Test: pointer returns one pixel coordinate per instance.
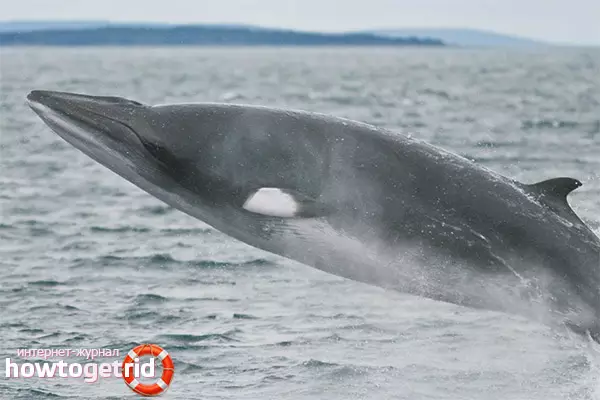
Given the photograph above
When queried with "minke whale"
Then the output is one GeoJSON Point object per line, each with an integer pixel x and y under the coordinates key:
{"type": "Point", "coordinates": [352, 200]}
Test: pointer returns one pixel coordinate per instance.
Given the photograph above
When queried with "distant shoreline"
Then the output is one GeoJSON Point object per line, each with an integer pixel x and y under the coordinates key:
{"type": "Point", "coordinates": [199, 35]}
{"type": "Point", "coordinates": [225, 46]}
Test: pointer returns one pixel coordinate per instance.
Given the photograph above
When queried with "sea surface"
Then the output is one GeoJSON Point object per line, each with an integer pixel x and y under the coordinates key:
{"type": "Point", "coordinates": [89, 261]}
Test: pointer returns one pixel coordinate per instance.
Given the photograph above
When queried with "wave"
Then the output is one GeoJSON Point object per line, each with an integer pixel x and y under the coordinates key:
{"type": "Point", "coordinates": [591, 127]}
{"type": "Point", "coordinates": [243, 316]}
{"type": "Point", "coordinates": [137, 314]}
{"type": "Point", "coordinates": [32, 331]}
{"type": "Point", "coordinates": [45, 283]}
{"type": "Point", "coordinates": [210, 264]}
{"type": "Point", "coordinates": [161, 260]}
{"type": "Point", "coordinates": [438, 93]}
{"type": "Point", "coordinates": [312, 363]}
{"type": "Point", "coordinates": [188, 367]}
{"type": "Point", "coordinates": [54, 306]}
{"type": "Point", "coordinates": [114, 260]}
{"type": "Point", "coordinates": [120, 229]}
{"type": "Point", "coordinates": [157, 209]}
{"type": "Point", "coordinates": [39, 394]}
{"type": "Point", "coordinates": [186, 231]}
{"type": "Point", "coordinates": [149, 298]}
{"type": "Point", "coordinates": [189, 338]}
{"type": "Point", "coordinates": [548, 123]}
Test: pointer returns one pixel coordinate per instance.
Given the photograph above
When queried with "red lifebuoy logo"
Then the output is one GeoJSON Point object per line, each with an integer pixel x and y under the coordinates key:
{"type": "Point", "coordinates": [130, 370]}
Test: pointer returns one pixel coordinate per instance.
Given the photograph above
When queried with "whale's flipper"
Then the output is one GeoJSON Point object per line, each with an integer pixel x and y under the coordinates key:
{"type": "Point", "coordinates": [283, 203]}
{"type": "Point", "coordinates": [553, 193]}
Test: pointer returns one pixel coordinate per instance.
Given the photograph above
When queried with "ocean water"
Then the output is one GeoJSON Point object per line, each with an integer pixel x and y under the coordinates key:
{"type": "Point", "coordinates": [90, 261]}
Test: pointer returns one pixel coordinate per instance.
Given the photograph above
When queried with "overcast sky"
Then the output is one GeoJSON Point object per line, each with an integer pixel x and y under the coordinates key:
{"type": "Point", "coordinates": [563, 21]}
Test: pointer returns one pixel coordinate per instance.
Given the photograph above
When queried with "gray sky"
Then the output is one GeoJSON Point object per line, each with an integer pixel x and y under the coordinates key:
{"type": "Point", "coordinates": [563, 21]}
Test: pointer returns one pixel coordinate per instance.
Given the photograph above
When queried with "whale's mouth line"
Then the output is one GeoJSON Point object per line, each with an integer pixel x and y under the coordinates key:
{"type": "Point", "coordinates": [85, 119]}
{"type": "Point", "coordinates": [89, 129]}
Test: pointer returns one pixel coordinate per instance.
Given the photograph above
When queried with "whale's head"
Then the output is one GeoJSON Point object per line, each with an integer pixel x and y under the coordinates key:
{"type": "Point", "coordinates": [108, 129]}
{"type": "Point", "coordinates": [214, 161]}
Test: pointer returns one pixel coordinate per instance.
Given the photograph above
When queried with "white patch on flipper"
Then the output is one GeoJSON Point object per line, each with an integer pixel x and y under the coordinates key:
{"type": "Point", "coordinates": [273, 202]}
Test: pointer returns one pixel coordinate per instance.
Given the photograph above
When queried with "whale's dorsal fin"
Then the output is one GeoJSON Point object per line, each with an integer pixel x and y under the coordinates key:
{"type": "Point", "coordinates": [557, 188]}
{"type": "Point", "coordinates": [553, 193]}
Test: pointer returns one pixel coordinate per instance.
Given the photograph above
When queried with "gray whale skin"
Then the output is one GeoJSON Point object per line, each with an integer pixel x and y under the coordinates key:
{"type": "Point", "coordinates": [351, 199]}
